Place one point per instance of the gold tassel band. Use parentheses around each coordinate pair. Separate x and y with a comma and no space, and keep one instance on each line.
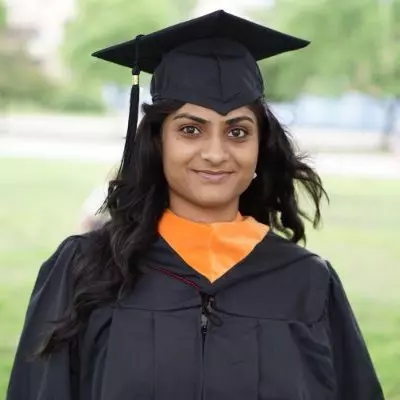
(135,80)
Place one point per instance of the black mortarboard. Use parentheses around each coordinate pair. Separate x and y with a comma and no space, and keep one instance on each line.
(209,61)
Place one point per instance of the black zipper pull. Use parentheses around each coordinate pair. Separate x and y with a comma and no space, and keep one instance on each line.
(207,304)
(210,305)
(204,324)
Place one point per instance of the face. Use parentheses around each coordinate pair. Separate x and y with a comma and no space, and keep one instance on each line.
(209,159)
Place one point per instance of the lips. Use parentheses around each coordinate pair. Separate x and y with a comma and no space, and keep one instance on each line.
(213,176)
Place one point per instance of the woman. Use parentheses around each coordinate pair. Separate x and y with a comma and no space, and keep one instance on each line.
(188,292)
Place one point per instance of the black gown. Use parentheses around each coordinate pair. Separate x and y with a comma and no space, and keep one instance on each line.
(277,326)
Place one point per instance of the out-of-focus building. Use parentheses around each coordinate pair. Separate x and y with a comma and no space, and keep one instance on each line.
(41,23)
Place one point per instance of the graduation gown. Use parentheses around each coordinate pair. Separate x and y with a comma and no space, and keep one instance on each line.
(277,326)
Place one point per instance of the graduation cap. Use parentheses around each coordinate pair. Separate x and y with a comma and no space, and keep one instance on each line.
(209,61)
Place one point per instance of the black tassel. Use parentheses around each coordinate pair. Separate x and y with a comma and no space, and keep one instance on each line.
(133,112)
(132,124)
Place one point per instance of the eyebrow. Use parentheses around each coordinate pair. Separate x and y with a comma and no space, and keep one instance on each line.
(199,120)
(192,117)
(236,120)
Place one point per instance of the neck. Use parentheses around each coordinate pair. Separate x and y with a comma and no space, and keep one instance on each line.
(192,212)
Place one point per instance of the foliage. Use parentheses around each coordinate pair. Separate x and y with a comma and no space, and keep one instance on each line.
(2,14)
(24,85)
(101,24)
(21,78)
(355,45)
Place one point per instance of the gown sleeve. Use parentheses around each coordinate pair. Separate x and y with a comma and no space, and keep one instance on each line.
(53,378)
(355,374)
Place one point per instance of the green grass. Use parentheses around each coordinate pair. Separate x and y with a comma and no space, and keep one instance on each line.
(40,203)
(361,239)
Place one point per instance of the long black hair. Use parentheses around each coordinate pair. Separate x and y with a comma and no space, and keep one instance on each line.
(138,199)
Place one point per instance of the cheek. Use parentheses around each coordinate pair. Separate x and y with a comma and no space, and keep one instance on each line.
(246,158)
(176,157)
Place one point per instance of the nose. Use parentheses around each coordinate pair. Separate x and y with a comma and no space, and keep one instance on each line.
(214,150)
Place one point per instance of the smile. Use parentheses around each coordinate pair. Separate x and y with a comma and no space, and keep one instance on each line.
(213,176)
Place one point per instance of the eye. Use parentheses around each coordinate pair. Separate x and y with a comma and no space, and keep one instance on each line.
(238,133)
(190,130)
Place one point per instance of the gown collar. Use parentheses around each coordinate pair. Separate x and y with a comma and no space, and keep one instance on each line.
(212,249)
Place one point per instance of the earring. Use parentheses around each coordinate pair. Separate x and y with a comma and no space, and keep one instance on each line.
(255,175)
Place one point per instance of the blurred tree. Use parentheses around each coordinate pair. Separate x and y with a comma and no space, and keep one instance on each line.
(21,78)
(355,46)
(101,23)
(2,15)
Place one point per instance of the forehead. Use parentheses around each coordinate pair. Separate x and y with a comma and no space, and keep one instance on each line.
(212,115)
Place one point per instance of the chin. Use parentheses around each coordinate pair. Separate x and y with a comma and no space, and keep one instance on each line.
(213,201)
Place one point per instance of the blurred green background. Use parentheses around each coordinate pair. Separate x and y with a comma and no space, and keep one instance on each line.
(44,180)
